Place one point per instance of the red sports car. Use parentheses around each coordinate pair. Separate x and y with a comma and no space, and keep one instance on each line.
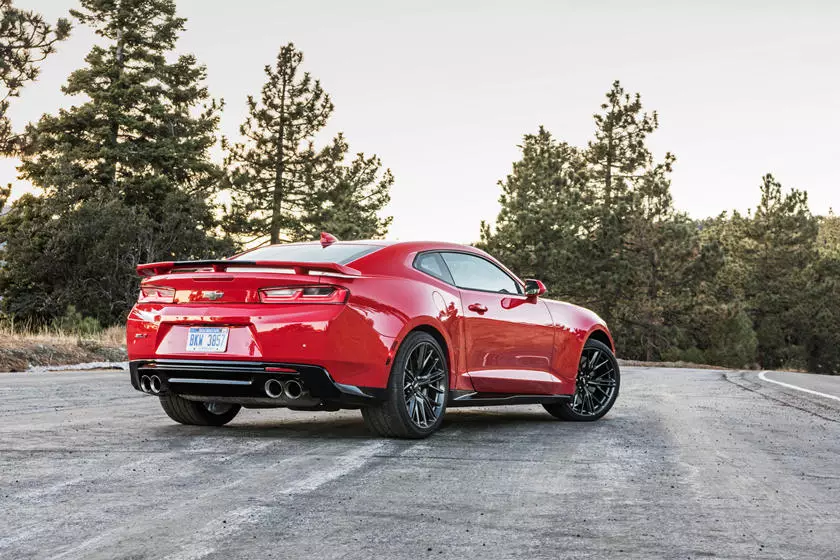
(399,330)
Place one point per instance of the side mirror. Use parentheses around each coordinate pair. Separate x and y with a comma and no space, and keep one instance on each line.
(534,288)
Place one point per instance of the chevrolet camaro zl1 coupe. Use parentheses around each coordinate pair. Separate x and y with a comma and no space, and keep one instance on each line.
(399,330)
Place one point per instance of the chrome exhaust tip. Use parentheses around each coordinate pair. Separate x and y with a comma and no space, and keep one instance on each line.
(146,384)
(293,389)
(273,388)
(155,385)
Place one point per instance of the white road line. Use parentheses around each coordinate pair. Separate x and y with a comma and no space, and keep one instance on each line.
(764,377)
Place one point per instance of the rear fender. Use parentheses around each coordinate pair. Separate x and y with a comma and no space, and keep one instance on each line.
(449,331)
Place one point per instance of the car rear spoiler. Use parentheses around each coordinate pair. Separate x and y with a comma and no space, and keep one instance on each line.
(154,269)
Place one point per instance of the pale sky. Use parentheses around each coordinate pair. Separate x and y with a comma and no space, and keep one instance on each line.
(443,91)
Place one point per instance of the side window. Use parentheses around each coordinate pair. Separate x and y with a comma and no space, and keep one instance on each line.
(474,273)
(432,264)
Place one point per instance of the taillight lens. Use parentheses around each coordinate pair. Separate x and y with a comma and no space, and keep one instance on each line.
(156,294)
(305,294)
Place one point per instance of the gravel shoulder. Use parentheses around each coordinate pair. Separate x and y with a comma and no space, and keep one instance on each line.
(690,463)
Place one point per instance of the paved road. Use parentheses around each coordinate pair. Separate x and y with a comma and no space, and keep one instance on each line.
(690,464)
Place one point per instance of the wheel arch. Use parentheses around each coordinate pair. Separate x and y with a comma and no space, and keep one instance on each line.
(435,332)
(437,335)
(601,336)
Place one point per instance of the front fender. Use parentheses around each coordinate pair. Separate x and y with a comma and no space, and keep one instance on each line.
(573,326)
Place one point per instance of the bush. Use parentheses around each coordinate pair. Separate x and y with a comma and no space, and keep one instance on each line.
(73,322)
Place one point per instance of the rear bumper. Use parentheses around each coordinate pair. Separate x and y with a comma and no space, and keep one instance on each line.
(339,339)
(245,383)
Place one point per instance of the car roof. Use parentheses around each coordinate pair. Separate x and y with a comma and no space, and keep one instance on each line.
(407,245)
(389,248)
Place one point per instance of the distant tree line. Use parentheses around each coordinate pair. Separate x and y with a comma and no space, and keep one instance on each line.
(126,177)
(599,226)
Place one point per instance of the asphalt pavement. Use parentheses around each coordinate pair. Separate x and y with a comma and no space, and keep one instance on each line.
(689,464)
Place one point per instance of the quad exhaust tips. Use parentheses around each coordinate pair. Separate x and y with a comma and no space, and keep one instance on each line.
(292,389)
(274,388)
(151,384)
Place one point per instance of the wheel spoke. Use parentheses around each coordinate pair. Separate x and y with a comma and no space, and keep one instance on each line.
(428,363)
(596,368)
(598,388)
(603,374)
(602,383)
(593,359)
(432,378)
(416,358)
(426,355)
(427,408)
(422,414)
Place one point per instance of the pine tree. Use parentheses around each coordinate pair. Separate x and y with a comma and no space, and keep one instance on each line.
(26,39)
(771,254)
(542,217)
(628,192)
(646,260)
(283,188)
(345,200)
(828,238)
(138,137)
(599,224)
(271,171)
(822,321)
(136,148)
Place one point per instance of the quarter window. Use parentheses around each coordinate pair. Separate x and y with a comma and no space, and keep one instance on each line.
(474,273)
(432,264)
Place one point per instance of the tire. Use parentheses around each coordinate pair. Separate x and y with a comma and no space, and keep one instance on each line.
(596,386)
(416,393)
(197,413)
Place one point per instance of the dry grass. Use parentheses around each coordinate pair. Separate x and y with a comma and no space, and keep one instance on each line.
(21,349)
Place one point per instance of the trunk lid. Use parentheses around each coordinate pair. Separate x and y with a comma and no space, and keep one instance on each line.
(211,282)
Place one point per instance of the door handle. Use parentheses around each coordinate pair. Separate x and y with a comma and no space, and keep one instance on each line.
(477,307)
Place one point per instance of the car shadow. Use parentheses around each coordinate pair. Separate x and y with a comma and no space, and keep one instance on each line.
(350,426)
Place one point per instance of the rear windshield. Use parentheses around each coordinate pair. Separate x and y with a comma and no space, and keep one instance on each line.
(337,253)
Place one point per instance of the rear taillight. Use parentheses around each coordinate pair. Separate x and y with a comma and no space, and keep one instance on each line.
(305,294)
(156,294)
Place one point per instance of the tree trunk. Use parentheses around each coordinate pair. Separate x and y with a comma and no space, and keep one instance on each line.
(115,127)
(280,163)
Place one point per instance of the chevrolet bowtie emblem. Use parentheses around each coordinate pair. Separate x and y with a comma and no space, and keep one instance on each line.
(212,295)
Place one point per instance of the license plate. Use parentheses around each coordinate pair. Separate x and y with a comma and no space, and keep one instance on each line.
(207,339)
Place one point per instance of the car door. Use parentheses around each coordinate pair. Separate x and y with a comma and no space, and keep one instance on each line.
(509,336)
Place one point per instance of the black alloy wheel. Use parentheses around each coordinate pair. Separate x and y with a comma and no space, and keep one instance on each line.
(424,382)
(596,388)
(418,389)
